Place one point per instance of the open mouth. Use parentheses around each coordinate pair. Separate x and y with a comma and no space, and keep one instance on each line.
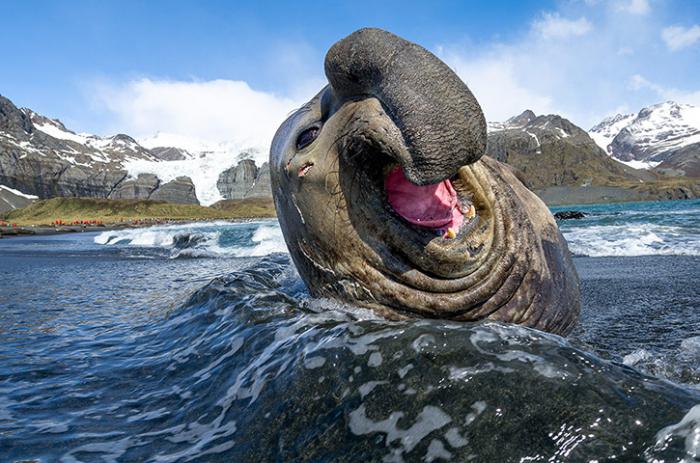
(436,207)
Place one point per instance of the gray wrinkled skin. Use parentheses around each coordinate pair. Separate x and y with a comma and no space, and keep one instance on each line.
(391,102)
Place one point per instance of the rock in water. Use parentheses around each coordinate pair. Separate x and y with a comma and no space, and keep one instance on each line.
(567,215)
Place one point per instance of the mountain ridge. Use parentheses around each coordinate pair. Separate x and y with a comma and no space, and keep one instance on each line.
(562,163)
(41,156)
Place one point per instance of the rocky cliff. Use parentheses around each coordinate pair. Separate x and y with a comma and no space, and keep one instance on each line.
(40,156)
(12,199)
(245,180)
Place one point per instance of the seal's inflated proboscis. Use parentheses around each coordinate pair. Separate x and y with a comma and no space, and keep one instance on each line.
(385,200)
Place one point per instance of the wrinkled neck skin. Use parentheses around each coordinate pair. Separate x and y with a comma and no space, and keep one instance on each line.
(508,262)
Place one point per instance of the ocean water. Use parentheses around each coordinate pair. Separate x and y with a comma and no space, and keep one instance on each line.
(635,229)
(200,343)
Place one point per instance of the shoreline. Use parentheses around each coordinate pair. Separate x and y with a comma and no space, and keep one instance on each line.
(7,231)
(48,230)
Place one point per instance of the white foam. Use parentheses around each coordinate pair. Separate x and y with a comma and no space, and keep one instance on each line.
(687,428)
(631,240)
(266,239)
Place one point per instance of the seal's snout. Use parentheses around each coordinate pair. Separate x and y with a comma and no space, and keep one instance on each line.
(439,120)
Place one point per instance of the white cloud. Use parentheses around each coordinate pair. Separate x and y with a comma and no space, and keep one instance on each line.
(582,78)
(677,37)
(640,7)
(210,112)
(552,25)
(638,82)
(494,81)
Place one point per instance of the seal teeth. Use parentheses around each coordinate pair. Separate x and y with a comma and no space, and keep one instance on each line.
(471,213)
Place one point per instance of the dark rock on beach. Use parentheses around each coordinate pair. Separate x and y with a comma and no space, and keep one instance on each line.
(568,215)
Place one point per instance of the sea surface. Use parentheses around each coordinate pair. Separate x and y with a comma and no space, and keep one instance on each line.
(200,343)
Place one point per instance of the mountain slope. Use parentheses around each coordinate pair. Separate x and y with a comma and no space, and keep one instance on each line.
(551,151)
(40,156)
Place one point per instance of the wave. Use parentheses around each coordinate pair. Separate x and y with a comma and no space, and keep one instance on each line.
(681,365)
(631,240)
(612,233)
(215,239)
(248,369)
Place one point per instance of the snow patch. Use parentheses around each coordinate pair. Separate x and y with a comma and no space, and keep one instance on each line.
(17,192)
(640,164)
(56,132)
(604,133)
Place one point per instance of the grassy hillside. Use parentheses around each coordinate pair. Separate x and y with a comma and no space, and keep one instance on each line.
(124,210)
(250,207)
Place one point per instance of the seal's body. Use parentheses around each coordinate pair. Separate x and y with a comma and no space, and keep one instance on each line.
(385,200)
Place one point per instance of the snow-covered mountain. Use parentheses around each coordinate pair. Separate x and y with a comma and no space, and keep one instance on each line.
(40,156)
(604,132)
(667,133)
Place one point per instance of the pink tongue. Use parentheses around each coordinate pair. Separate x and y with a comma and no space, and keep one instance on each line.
(430,206)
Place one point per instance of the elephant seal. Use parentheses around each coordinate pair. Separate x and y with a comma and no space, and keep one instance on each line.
(386,202)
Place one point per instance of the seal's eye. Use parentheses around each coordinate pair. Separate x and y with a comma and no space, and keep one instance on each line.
(307,137)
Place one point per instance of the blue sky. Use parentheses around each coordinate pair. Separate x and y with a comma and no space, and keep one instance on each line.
(203,68)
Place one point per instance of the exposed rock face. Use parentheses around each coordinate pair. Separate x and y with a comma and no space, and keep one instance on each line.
(141,187)
(180,190)
(262,187)
(39,156)
(681,161)
(245,180)
(148,186)
(235,182)
(515,122)
(666,133)
(169,153)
